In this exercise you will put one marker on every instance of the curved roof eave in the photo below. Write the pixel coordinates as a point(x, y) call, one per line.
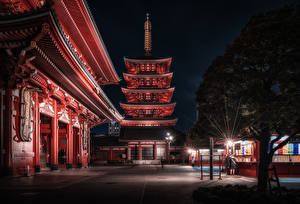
point(101, 40)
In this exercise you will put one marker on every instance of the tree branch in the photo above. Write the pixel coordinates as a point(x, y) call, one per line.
point(283, 143)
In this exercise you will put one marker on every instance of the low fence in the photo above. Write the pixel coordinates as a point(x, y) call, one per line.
point(204, 161)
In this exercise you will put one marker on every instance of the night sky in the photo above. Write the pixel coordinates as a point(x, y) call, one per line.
point(193, 33)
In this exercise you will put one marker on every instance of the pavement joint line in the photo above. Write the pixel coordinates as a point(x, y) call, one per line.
point(143, 191)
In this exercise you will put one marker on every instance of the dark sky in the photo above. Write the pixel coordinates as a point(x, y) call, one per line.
point(193, 33)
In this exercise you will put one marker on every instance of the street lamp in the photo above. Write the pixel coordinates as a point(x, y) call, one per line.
point(229, 145)
point(169, 139)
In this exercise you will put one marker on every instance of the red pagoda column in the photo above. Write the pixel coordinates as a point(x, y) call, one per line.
point(70, 141)
point(54, 138)
point(128, 153)
point(110, 153)
point(140, 151)
point(167, 151)
point(155, 151)
point(36, 142)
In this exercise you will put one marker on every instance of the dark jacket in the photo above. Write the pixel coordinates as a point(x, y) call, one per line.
point(233, 163)
point(230, 163)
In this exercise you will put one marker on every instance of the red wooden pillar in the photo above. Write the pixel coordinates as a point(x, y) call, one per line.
point(75, 147)
point(89, 148)
point(253, 152)
point(155, 151)
point(2, 125)
point(140, 151)
point(54, 138)
point(36, 138)
point(70, 141)
point(79, 142)
point(7, 140)
point(110, 154)
point(257, 152)
point(128, 152)
point(197, 158)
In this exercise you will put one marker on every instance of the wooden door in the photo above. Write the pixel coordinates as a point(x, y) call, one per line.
point(62, 145)
point(75, 146)
point(45, 141)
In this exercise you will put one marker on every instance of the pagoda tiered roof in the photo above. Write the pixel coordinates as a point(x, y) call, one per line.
point(148, 65)
point(148, 80)
point(149, 122)
point(148, 95)
point(148, 110)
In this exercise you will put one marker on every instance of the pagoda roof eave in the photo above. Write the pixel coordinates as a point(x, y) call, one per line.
point(158, 90)
point(144, 106)
point(153, 122)
point(170, 74)
point(154, 60)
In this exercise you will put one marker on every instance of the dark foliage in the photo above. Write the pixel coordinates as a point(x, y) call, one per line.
point(253, 90)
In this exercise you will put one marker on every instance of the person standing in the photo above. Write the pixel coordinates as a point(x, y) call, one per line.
point(233, 165)
point(193, 161)
point(227, 164)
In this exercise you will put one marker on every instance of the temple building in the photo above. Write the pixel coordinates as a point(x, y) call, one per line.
point(148, 94)
point(53, 64)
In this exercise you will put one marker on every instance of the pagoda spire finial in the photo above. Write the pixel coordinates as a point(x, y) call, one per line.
point(148, 41)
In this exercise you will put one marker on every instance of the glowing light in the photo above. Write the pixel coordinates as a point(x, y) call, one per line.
point(229, 143)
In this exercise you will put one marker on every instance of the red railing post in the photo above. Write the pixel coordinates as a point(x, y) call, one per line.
point(220, 178)
point(201, 167)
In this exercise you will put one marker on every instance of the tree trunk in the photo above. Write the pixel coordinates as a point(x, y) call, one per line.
point(264, 162)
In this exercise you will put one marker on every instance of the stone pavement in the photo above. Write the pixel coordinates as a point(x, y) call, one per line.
point(116, 184)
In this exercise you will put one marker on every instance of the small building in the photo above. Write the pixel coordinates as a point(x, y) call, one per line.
point(286, 159)
point(107, 149)
point(139, 145)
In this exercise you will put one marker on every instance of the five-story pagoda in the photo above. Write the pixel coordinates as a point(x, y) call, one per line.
point(148, 91)
point(148, 106)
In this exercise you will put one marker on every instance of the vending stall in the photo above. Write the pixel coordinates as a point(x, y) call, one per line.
point(286, 159)
point(246, 153)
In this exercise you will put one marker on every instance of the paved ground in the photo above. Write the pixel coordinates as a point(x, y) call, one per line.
point(115, 184)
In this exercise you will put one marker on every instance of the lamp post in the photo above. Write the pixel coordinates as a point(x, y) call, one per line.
point(211, 162)
point(169, 139)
